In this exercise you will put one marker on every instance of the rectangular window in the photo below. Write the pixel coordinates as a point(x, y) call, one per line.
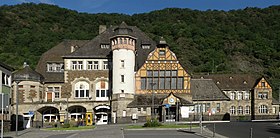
point(107, 93)
point(149, 83)
point(149, 73)
point(167, 83)
point(56, 92)
point(161, 83)
point(87, 93)
point(263, 84)
point(247, 95)
point(174, 73)
point(161, 52)
point(74, 65)
point(218, 107)
point(95, 65)
point(97, 93)
point(89, 65)
point(122, 63)
point(77, 93)
point(143, 83)
point(124, 113)
point(105, 65)
point(155, 73)
point(80, 65)
point(180, 82)
point(103, 93)
point(161, 73)
point(122, 78)
point(139, 109)
point(173, 83)
point(155, 83)
point(168, 73)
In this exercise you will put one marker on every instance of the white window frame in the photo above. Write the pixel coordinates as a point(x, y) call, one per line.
point(95, 65)
point(239, 96)
point(232, 95)
point(99, 90)
point(55, 90)
point(232, 110)
point(89, 65)
point(247, 95)
point(74, 65)
point(240, 110)
point(105, 65)
point(247, 109)
point(263, 109)
point(80, 65)
point(81, 87)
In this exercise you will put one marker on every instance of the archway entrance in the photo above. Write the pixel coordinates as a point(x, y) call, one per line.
point(49, 114)
point(101, 115)
point(77, 112)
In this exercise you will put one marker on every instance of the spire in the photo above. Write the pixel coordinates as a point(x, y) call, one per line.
point(25, 64)
point(162, 43)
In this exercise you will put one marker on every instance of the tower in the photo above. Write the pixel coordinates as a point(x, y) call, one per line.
point(123, 84)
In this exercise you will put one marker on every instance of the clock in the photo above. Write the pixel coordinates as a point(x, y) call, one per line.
point(171, 100)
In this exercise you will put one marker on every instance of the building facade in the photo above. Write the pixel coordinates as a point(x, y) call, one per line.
point(122, 76)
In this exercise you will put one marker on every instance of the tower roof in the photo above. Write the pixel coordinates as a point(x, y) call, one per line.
point(27, 74)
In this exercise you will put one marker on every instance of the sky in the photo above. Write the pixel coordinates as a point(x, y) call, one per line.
point(143, 6)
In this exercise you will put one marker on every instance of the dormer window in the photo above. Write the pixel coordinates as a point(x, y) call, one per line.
point(55, 67)
point(146, 46)
point(104, 46)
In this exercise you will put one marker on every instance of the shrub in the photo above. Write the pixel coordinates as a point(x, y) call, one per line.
point(73, 123)
point(152, 123)
point(66, 125)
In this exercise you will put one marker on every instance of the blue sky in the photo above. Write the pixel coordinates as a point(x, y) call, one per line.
point(142, 6)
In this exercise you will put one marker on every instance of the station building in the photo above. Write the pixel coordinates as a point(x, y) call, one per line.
point(123, 76)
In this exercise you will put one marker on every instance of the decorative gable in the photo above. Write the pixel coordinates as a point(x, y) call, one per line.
point(263, 84)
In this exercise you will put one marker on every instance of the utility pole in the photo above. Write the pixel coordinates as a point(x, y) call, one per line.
point(17, 82)
point(279, 104)
point(67, 107)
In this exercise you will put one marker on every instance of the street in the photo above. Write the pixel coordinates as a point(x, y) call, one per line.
point(158, 134)
point(242, 129)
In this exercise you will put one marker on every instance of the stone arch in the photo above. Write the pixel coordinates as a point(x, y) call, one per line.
point(49, 114)
point(76, 112)
point(102, 114)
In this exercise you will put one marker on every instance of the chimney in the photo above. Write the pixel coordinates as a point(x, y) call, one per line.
point(102, 28)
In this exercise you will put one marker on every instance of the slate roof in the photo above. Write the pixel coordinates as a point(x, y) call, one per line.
point(206, 90)
point(6, 66)
point(92, 49)
point(232, 81)
point(27, 74)
point(55, 55)
point(145, 100)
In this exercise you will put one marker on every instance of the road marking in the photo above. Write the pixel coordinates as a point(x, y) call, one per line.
point(72, 136)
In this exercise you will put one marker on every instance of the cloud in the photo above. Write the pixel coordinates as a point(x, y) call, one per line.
point(47, 2)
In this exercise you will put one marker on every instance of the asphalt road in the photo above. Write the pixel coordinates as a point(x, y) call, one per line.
point(158, 134)
point(243, 129)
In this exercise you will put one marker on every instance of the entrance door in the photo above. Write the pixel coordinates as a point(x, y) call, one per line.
point(101, 118)
point(170, 114)
point(49, 97)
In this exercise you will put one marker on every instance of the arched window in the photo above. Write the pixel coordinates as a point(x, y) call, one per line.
point(240, 110)
point(232, 95)
point(247, 109)
point(102, 91)
point(263, 109)
point(232, 110)
point(81, 89)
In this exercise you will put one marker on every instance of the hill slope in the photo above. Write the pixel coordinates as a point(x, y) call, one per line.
point(246, 41)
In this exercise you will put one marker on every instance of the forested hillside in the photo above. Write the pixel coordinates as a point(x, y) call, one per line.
point(246, 41)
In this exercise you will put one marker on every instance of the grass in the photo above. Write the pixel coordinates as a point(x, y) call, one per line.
point(72, 128)
point(163, 126)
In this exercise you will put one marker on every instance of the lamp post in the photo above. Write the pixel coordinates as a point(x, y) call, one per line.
point(17, 82)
